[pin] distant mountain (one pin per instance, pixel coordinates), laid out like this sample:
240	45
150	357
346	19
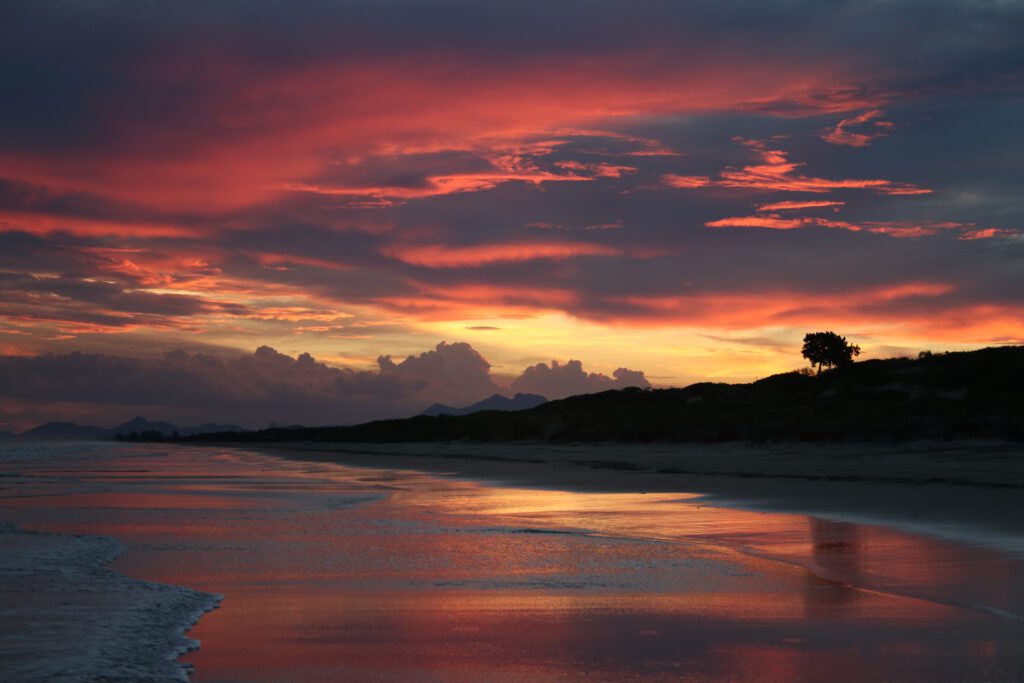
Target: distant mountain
137	425
141	424
5	434
441	409
66	430
495	402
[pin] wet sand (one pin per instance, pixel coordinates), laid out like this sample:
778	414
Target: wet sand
332	572
968	491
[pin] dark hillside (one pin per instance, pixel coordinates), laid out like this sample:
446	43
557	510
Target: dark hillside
977	394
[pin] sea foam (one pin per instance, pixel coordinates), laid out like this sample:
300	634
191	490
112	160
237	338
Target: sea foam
69	617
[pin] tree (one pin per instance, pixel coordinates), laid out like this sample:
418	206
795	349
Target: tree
828	350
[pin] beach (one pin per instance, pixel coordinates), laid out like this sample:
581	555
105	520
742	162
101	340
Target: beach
972	491
537	563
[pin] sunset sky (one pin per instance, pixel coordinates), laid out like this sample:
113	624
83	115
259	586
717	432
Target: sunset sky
682	189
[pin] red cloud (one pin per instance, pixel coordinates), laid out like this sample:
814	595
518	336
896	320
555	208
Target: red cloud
236	133
685	181
794	206
922	309
841	135
475	299
42	223
989	233
600	170
449	256
774	221
775	173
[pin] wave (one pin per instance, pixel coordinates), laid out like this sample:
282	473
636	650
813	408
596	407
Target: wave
69	617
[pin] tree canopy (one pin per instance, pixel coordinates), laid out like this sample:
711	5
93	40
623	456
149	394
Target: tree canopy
828	350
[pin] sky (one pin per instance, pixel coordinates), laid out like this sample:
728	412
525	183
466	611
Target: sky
324	212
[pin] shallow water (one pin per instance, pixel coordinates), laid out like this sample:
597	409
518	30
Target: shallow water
337	573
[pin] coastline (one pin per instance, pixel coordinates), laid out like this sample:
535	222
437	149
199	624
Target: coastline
968	491
98	624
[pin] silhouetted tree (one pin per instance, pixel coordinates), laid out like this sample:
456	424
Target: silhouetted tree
828	350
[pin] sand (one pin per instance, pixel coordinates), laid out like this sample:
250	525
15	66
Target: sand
967	491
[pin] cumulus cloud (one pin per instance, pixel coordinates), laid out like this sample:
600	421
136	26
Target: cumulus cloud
451	373
268	386
559	380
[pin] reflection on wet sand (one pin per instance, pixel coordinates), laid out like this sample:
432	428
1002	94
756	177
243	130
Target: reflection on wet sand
335	573
836	552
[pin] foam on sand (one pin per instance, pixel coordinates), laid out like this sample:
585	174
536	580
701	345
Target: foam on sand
69	617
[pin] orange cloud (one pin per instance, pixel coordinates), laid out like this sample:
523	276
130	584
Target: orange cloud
685	181
448	256
776	222
794	206
920	310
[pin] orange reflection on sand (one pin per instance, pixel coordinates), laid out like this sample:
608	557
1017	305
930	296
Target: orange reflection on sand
167	501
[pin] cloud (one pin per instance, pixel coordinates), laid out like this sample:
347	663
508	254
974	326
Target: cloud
989	233
685	181
774	221
354	176
903	229
255	389
452	373
774	172
798	205
560	380
454	256
842	135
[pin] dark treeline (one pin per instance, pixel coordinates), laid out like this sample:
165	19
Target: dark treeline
977	394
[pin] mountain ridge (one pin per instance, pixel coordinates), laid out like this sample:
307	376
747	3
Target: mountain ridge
57	430
520	401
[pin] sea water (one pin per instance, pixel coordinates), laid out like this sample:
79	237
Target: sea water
327	572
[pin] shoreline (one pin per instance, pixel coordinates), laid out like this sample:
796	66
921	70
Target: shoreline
970	492
113	626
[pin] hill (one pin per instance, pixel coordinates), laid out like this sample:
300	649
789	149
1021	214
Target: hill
66	430
138	428
976	394
495	402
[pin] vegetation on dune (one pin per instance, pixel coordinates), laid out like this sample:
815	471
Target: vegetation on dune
828	350
975	394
